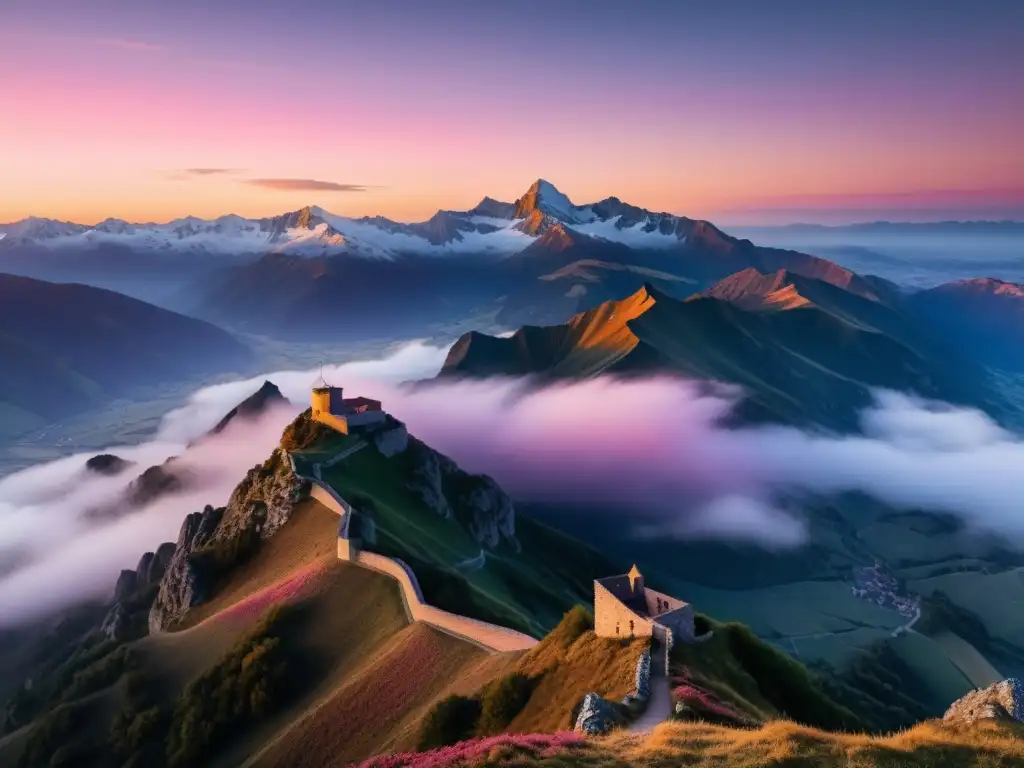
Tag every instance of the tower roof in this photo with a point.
(634, 574)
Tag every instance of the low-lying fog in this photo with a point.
(651, 443)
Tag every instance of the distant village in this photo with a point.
(879, 584)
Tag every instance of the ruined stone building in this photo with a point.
(624, 607)
(331, 408)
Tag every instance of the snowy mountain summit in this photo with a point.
(491, 227)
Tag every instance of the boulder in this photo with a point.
(596, 715)
(1000, 701)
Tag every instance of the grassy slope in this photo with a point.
(528, 591)
(378, 707)
(570, 662)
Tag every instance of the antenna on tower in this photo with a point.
(321, 382)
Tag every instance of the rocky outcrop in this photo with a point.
(263, 501)
(253, 406)
(489, 514)
(154, 483)
(259, 506)
(134, 594)
(427, 482)
(596, 715)
(153, 565)
(1000, 701)
(475, 501)
(127, 583)
(107, 464)
(181, 586)
(392, 440)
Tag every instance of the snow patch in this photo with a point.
(633, 236)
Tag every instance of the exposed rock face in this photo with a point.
(1000, 701)
(126, 585)
(153, 483)
(257, 509)
(255, 405)
(117, 624)
(476, 501)
(392, 440)
(152, 565)
(427, 483)
(107, 464)
(264, 499)
(491, 517)
(180, 587)
(596, 716)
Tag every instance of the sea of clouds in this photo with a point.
(654, 444)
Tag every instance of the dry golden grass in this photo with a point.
(377, 708)
(310, 534)
(784, 743)
(568, 664)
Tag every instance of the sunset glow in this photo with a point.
(400, 109)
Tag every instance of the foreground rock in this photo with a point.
(1000, 701)
(596, 716)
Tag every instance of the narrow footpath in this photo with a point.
(659, 707)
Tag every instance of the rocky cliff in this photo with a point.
(475, 501)
(134, 593)
(212, 541)
(1000, 701)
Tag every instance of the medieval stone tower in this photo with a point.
(326, 402)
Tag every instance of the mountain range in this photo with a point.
(65, 348)
(804, 350)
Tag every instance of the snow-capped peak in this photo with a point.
(491, 227)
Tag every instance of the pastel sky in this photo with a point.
(752, 110)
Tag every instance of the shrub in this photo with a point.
(100, 674)
(575, 622)
(502, 701)
(244, 687)
(53, 733)
(304, 433)
(449, 721)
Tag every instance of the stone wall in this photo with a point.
(490, 636)
(680, 621)
(612, 618)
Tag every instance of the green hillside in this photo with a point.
(805, 351)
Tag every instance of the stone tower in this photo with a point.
(326, 405)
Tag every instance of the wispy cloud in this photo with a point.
(305, 185)
(211, 171)
(127, 45)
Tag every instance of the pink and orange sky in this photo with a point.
(743, 111)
